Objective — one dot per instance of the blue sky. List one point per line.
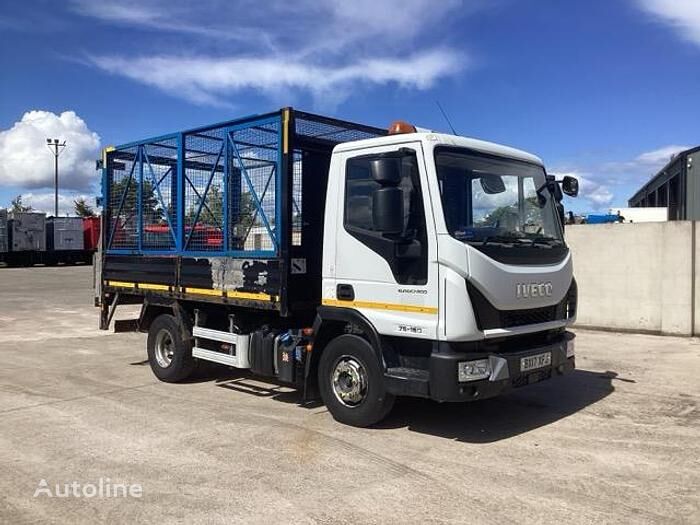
(606, 90)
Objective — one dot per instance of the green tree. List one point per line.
(149, 201)
(212, 213)
(83, 209)
(16, 205)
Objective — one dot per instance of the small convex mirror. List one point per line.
(492, 184)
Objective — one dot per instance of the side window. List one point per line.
(407, 252)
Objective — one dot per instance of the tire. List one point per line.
(345, 359)
(169, 356)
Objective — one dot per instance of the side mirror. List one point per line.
(386, 171)
(387, 210)
(492, 184)
(569, 185)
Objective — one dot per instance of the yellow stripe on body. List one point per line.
(148, 286)
(249, 295)
(382, 306)
(198, 291)
(121, 284)
(203, 291)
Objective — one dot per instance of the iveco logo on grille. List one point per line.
(530, 290)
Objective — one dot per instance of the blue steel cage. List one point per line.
(227, 189)
(209, 191)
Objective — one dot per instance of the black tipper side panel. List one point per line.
(232, 274)
(196, 273)
(136, 268)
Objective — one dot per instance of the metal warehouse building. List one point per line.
(676, 186)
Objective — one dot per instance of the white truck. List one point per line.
(389, 263)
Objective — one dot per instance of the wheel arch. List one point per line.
(152, 309)
(331, 322)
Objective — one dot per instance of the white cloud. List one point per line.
(659, 157)
(44, 201)
(25, 160)
(600, 184)
(683, 15)
(597, 195)
(328, 49)
(207, 80)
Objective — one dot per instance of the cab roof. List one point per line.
(442, 139)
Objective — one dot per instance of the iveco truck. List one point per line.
(352, 262)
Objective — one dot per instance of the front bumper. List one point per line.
(440, 381)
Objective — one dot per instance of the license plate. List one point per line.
(533, 362)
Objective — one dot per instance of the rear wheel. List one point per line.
(169, 356)
(351, 382)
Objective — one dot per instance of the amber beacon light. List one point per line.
(399, 126)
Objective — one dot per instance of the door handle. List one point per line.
(345, 292)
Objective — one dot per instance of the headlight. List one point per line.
(473, 370)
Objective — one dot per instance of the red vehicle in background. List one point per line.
(91, 233)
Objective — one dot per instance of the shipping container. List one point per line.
(91, 233)
(3, 231)
(27, 231)
(64, 233)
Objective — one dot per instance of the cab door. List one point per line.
(389, 276)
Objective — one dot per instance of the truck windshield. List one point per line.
(498, 204)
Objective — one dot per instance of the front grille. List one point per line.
(489, 317)
(511, 318)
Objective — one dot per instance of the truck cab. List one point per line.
(452, 250)
(355, 264)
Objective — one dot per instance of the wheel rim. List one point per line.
(165, 349)
(349, 381)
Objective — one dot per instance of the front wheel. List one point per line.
(351, 382)
(169, 356)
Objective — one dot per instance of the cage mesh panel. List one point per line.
(159, 195)
(204, 188)
(123, 191)
(228, 184)
(297, 214)
(316, 127)
(253, 151)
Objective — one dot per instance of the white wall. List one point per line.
(636, 277)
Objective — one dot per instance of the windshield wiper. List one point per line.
(546, 241)
(503, 240)
(511, 241)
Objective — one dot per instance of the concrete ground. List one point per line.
(616, 441)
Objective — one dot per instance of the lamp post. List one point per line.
(56, 147)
